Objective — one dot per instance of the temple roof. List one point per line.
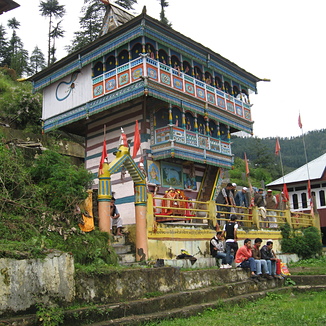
(6, 5)
(316, 171)
(115, 16)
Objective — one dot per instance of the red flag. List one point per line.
(136, 140)
(247, 166)
(104, 153)
(277, 147)
(285, 192)
(299, 122)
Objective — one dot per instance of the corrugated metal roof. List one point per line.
(316, 171)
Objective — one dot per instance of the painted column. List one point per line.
(104, 199)
(141, 227)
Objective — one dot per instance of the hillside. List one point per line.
(261, 151)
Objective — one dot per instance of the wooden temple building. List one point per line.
(187, 99)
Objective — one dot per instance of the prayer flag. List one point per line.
(247, 166)
(285, 192)
(136, 140)
(299, 122)
(104, 153)
(277, 147)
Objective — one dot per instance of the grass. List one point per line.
(275, 309)
(312, 266)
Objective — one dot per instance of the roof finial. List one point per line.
(144, 10)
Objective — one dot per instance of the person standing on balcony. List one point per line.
(271, 204)
(241, 200)
(231, 239)
(259, 201)
(223, 198)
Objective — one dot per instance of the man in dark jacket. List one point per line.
(268, 254)
(231, 238)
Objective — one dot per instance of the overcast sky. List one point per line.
(280, 40)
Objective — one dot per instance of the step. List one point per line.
(121, 248)
(174, 305)
(193, 310)
(127, 258)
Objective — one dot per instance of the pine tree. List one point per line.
(127, 4)
(55, 33)
(163, 19)
(37, 61)
(4, 59)
(51, 9)
(90, 25)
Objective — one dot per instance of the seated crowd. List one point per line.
(260, 260)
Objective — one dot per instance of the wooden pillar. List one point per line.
(104, 199)
(141, 227)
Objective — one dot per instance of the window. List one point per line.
(295, 201)
(175, 62)
(98, 69)
(198, 73)
(304, 200)
(201, 125)
(322, 198)
(136, 51)
(187, 68)
(110, 63)
(163, 57)
(123, 57)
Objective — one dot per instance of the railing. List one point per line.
(167, 210)
(191, 138)
(146, 67)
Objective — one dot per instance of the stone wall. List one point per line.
(23, 283)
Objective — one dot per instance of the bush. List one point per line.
(306, 243)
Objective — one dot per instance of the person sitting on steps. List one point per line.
(245, 259)
(217, 250)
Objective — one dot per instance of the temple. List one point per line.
(187, 99)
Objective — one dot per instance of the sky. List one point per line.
(283, 41)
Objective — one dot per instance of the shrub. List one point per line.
(305, 243)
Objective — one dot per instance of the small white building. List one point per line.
(297, 184)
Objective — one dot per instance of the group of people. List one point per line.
(230, 200)
(260, 261)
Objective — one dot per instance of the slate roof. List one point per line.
(316, 171)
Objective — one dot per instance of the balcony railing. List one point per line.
(191, 138)
(156, 71)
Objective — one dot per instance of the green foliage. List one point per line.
(306, 244)
(19, 107)
(63, 184)
(289, 282)
(50, 315)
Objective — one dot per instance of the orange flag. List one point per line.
(104, 154)
(277, 147)
(136, 140)
(247, 166)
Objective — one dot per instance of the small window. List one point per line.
(98, 69)
(163, 57)
(304, 200)
(123, 57)
(322, 198)
(295, 201)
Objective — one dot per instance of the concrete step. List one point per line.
(127, 258)
(175, 305)
(121, 248)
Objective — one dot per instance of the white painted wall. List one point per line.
(80, 94)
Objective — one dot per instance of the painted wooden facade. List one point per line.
(187, 99)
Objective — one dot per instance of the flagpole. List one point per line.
(307, 164)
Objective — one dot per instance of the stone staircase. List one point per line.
(124, 250)
(198, 290)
